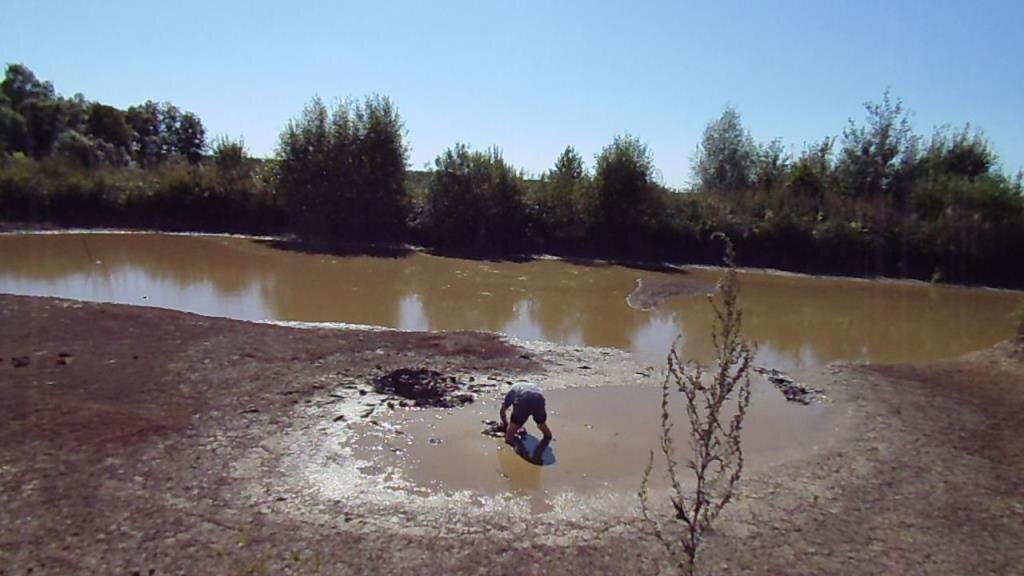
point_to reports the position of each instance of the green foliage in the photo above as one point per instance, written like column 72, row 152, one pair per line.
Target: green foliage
column 13, row 131
column 562, row 200
column 190, row 138
column 626, row 196
column 144, row 120
column 342, row 172
column 44, row 121
column 20, row 85
column 727, row 157
column 879, row 200
column 229, row 155
column 875, row 155
column 476, row 201
column 108, row 124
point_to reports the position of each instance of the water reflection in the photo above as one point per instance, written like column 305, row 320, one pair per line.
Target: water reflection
column 796, row 321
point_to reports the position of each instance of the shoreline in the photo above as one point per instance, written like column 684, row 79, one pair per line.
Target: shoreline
column 171, row 440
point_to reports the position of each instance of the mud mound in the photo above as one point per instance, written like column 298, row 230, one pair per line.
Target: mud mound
column 424, row 387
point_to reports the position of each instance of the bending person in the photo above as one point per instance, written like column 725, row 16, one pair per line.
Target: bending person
column 526, row 400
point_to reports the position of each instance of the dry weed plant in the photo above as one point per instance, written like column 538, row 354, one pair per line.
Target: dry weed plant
column 717, row 457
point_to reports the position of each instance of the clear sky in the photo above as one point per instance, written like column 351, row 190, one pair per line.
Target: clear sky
column 532, row 77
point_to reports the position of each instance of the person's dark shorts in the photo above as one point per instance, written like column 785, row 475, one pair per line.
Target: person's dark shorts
column 529, row 405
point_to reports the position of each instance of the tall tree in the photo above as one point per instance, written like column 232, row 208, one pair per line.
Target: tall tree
column 144, row 120
column 191, row 138
column 476, row 201
column 877, row 153
column 108, row 124
column 342, row 172
column 726, row 158
column 21, row 85
column 561, row 195
column 626, row 194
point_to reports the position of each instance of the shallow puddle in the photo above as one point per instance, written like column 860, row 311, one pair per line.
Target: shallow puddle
column 603, row 438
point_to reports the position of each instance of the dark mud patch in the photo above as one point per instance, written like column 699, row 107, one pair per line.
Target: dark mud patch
column 425, row 388
column 794, row 391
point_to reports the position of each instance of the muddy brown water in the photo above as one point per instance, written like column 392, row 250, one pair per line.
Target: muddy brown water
column 603, row 439
column 603, row 435
column 797, row 321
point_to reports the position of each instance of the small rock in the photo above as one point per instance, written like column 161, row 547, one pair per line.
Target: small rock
column 435, row 441
column 20, row 361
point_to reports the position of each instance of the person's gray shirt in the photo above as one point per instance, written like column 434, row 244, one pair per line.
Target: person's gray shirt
column 521, row 391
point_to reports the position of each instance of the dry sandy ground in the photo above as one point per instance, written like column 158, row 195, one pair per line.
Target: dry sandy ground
column 169, row 443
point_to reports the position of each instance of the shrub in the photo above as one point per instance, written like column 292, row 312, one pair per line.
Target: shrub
column 476, row 202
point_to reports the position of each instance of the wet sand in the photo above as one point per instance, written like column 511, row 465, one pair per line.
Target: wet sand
column 172, row 442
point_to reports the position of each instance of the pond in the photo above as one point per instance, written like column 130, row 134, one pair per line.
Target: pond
column 603, row 435
column 797, row 321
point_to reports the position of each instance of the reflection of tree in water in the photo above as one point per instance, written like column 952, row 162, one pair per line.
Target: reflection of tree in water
column 183, row 260
column 796, row 319
column 464, row 294
column 159, row 270
column 357, row 290
column 586, row 302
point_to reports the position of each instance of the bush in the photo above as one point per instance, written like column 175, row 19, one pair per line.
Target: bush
column 476, row 202
column 342, row 172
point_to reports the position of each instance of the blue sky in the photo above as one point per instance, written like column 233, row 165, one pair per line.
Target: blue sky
column 532, row 77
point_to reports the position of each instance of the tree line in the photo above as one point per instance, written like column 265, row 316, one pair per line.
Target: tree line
column 876, row 199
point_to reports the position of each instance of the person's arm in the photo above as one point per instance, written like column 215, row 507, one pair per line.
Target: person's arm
column 546, row 431
column 504, row 419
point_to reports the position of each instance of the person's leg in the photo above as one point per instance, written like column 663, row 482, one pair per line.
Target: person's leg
column 540, row 416
column 518, row 419
column 545, row 430
column 511, row 433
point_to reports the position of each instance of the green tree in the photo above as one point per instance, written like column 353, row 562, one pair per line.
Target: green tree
column 875, row 156
column 13, row 131
column 626, row 196
column 476, row 201
column 561, row 197
column 770, row 167
column 229, row 155
column 108, row 124
column 191, row 138
column 726, row 158
column 342, row 173
column 21, row 85
column 808, row 179
column 44, row 121
column 169, row 118
column 144, row 120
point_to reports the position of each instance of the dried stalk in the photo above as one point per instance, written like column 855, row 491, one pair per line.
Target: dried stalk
column 717, row 460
